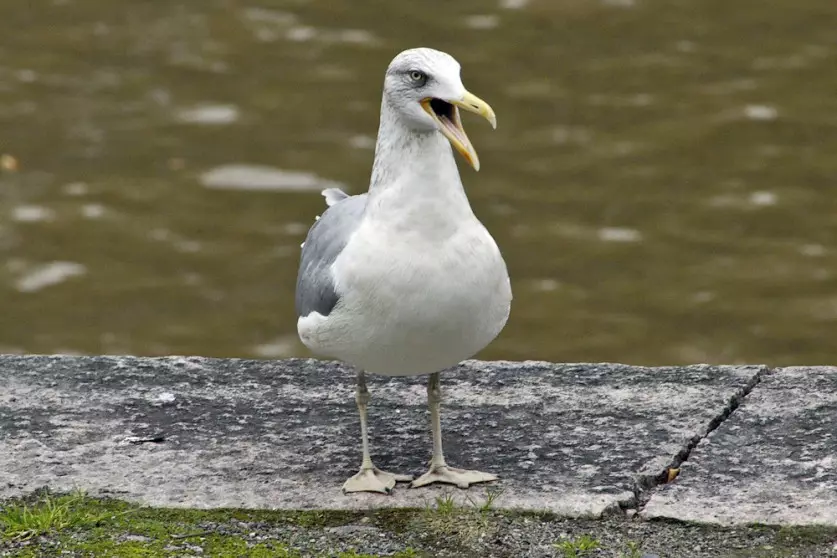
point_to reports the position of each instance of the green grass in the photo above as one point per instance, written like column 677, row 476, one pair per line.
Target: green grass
column 22, row 520
column 578, row 548
column 808, row 534
column 491, row 495
column 75, row 525
column 460, row 525
column 585, row 546
column 104, row 528
column 445, row 505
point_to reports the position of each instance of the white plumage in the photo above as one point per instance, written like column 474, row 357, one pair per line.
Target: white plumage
column 405, row 280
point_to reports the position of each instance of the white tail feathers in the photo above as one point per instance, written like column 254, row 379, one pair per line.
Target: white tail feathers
column 333, row 195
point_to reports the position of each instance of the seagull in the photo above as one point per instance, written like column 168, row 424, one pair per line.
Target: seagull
column 404, row 280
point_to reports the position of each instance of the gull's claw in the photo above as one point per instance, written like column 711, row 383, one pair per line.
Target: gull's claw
column 374, row 480
column 462, row 478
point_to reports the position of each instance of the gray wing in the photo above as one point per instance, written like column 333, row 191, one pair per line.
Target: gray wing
column 326, row 239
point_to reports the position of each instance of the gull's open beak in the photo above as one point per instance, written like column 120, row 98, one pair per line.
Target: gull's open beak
column 446, row 115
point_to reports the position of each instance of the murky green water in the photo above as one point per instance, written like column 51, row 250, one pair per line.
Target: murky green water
column 663, row 180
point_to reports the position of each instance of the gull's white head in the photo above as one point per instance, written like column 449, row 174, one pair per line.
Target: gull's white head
column 424, row 88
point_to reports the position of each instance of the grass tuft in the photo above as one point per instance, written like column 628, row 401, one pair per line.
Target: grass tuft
column 460, row 525
column 491, row 495
column 21, row 520
column 634, row 550
column 445, row 505
column 577, row 548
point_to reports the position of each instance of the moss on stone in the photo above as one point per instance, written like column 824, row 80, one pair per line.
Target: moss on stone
column 111, row 528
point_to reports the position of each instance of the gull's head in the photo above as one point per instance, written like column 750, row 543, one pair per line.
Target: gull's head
column 424, row 88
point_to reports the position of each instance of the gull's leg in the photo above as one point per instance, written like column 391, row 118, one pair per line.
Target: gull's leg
column 439, row 470
column 369, row 478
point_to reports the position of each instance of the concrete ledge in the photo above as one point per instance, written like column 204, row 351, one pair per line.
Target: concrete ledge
column 579, row 440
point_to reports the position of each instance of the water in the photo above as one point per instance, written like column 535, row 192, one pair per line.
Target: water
column 662, row 180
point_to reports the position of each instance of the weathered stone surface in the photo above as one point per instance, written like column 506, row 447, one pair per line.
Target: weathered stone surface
column 285, row 434
column 774, row 461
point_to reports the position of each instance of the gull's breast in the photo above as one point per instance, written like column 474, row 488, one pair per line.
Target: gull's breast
column 413, row 307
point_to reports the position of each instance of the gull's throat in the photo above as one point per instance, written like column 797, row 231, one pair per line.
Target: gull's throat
column 415, row 181
column 401, row 153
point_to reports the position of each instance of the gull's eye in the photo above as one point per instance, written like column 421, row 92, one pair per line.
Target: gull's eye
column 417, row 77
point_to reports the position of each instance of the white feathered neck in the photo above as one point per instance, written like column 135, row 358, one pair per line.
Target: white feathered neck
column 415, row 182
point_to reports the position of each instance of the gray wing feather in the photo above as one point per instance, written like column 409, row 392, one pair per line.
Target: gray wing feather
column 326, row 239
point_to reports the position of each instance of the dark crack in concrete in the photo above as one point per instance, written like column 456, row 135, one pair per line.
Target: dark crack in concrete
column 773, row 461
column 648, row 481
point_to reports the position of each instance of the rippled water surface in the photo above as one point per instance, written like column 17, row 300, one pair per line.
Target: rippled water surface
column 663, row 180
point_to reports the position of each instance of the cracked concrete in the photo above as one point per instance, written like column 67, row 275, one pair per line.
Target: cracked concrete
column 773, row 461
column 647, row 484
column 578, row 440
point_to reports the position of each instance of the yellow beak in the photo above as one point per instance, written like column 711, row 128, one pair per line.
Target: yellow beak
column 451, row 126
